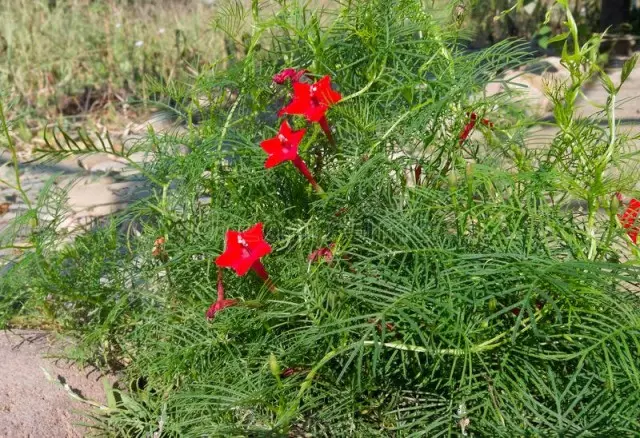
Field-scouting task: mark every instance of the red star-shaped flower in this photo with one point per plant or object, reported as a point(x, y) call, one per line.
point(312, 100)
point(284, 146)
point(244, 250)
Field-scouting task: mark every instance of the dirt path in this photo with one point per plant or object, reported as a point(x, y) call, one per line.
point(30, 404)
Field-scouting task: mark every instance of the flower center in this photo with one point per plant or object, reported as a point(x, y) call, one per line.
point(282, 138)
point(314, 101)
point(245, 253)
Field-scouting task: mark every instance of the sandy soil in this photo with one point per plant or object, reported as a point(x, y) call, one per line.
point(32, 406)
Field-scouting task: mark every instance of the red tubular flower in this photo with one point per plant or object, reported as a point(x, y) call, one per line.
point(628, 219)
point(313, 101)
point(324, 253)
point(218, 306)
point(418, 173)
point(473, 117)
point(220, 303)
point(243, 252)
point(284, 147)
point(289, 73)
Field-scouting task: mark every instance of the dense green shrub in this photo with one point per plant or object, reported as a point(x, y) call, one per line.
point(463, 294)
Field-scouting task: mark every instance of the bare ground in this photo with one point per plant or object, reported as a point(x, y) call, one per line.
point(31, 405)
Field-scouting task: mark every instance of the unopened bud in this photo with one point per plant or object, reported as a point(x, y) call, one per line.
point(274, 366)
point(452, 179)
point(615, 205)
point(469, 170)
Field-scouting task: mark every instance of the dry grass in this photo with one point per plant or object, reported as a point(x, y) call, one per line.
point(83, 55)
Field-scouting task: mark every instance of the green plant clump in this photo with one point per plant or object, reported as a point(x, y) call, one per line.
point(437, 278)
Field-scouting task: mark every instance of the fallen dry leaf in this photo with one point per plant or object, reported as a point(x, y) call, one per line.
point(4, 208)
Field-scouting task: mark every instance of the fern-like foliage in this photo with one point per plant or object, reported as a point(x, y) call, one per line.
point(465, 299)
point(60, 144)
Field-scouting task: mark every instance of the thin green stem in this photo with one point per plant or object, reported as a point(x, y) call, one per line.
point(14, 159)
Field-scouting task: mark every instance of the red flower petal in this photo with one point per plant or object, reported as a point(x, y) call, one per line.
point(630, 215)
point(242, 266)
point(271, 145)
point(232, 252)
point(272, 161)
point(324, 93)
point(296, 107)
point(315, 113)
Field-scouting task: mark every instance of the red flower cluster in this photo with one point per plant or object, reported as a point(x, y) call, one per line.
point(309, 100)
point(245, 249)
point(628, 220)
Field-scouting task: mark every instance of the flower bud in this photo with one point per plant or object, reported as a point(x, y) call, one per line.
point(452, 179)
point(614, 205)
point(274, 366)
point(493, 304)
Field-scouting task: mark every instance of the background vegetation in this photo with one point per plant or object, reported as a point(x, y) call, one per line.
point(82, 62)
